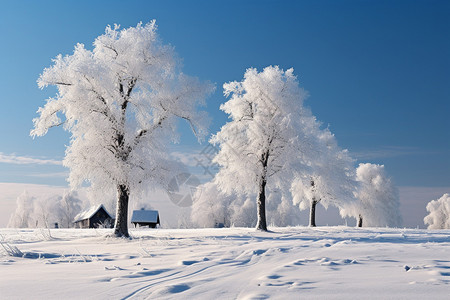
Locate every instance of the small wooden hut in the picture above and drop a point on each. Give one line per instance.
(94, 217)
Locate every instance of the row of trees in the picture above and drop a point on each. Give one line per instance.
(376, 201)
(121, 102)
(44, 211)
(274, 147)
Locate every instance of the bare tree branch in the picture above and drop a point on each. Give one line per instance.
(61, 83)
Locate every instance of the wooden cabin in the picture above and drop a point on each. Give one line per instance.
(144, 217)
(94, 217)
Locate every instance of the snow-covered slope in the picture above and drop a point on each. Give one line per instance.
(236, 263)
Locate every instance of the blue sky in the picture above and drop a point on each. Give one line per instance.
(378, 72)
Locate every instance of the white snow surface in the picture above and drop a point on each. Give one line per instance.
(228, 263)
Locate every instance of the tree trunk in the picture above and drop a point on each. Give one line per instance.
(360, 220)
(121, 224)
(312, 214)
(261, 206)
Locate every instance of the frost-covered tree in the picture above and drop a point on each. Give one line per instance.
(47, 210)
(438, 213)
(209, 206)
(69, 206)
(281, 210)
(120, 102)
(23, 215)
(242, 211)
(331, 180)
(264, 141)
(378, 197)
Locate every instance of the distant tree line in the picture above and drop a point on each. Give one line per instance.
(276, 151)
(45, 211)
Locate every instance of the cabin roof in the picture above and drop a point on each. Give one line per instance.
(144, 216)
(88, 213)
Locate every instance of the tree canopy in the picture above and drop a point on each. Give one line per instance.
(378, 197)
(438, 213)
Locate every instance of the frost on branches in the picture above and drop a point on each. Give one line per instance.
(120, 102)
(331, 180)
(209, 206)
(378, 198)
(22, 217)
(266, 140)
(438, 213)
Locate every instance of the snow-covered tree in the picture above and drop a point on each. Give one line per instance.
(281, 210)
(264, 141)
(378, 197)
(331, 180)
(23, 215)
(209, 206)
(438, 213)
(47, 210)
(120, 102)
(242, 211)
(69, 206)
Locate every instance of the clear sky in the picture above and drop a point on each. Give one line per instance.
(378, 72)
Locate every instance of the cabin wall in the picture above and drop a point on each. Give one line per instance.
(82, 224)
(145, 224)
(100, 218)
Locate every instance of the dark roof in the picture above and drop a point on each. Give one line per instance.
(144, 216)
(88, 213)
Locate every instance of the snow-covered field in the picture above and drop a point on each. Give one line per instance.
(236, 263)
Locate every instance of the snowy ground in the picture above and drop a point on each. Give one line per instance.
(237, 263)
